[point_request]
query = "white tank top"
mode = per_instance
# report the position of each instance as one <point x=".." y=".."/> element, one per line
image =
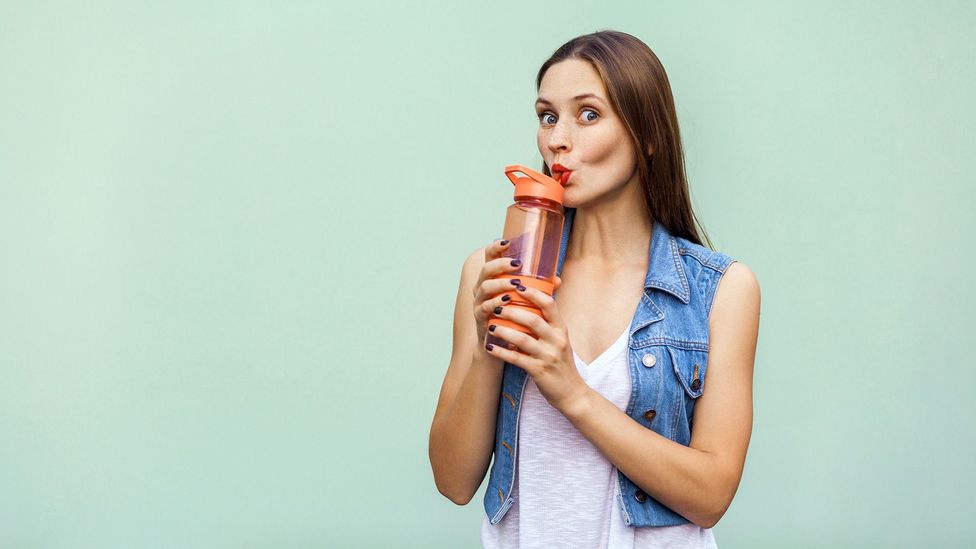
<point x="566" y="492"/>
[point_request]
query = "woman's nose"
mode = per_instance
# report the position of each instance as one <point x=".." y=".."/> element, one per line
<point x="559" y="138"/>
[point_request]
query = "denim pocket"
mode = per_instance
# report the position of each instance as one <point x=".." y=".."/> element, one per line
<point x="689" y="366"/>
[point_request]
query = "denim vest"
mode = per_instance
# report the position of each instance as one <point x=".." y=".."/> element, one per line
<point x="668" y="357"/>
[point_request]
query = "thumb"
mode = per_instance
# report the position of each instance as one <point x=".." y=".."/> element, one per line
<point x="557" y="283"/>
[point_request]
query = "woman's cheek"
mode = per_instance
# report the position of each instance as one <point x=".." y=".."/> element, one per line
<point x="597" y="146"/>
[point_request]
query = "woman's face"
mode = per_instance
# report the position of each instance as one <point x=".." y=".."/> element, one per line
<point x="583" y="134"/>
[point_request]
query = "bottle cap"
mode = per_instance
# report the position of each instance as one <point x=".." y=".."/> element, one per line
<point x="534" y="184"/>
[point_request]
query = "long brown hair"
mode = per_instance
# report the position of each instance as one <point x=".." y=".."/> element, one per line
<point x="640" y="94"/>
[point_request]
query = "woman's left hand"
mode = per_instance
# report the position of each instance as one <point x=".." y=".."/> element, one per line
<point x="548" y="359"/>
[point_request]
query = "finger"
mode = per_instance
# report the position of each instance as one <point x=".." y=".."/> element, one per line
<point x="487" y="307"/>
<point x="495" y="269"/>
<point x="544" y="302"/>
<point x="495" y="249"/>
<point x="532" y="321"/>
<point x="494" y="286"/>
<point x="502" y="265"/>
<point x="527" y="344"/>
<point x="492" y="252"/>
<point x="521" y="360"/>
<point x="557" y="283"/>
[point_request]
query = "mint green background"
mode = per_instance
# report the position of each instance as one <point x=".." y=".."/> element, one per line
<point x="231" y="234"/>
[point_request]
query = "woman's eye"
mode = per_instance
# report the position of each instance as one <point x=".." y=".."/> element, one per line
<point x="589" y="115"/>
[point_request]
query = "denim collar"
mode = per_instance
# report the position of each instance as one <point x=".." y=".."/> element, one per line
<point x="665" y="270"/>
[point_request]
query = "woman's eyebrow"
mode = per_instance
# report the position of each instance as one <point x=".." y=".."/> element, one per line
<point x="544" y="101"/>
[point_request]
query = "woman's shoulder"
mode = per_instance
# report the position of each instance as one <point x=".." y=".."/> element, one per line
<point x="728" y="278"/>
<point x="703" y="256"/>
<point x="732" y="271"/>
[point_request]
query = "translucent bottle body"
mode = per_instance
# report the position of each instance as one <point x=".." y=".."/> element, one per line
<point x="534" y="228"/>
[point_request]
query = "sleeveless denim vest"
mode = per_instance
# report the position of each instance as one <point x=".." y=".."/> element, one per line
<point x="668" y="357"/>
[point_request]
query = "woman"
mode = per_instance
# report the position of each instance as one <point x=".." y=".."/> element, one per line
<point x="602" y="429"/>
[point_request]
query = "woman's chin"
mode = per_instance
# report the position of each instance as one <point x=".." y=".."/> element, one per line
<point x="570" y="199"/>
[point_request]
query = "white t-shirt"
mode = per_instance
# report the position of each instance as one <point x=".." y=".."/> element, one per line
<point x="566" y="492"/>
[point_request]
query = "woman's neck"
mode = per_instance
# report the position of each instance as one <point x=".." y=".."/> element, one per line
<point x="610" y="233"/>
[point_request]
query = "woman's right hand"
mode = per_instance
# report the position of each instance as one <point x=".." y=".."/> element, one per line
<point x="488" y="290"/>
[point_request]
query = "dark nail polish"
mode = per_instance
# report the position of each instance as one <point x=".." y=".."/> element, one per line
<point x="516" y="263"/>
<point x="521" y="288"/>
<point x="506" y="297"/>
<point x="498" y="310"/>
<point x="489" y="346"/>
<point x="491" y="328"/>
<point x="516" y="282"/>
<point x="504" y="242"/>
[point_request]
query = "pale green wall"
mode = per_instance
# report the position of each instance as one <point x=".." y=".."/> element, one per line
<point x="231" y="236"/>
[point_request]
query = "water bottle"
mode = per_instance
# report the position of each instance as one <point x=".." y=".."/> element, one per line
<point x="534" y="228"/>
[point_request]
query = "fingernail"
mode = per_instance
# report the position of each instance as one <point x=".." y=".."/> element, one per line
<point x="516" y="263"/>
<point x="521" y="288"/>
<point x="498" y="310"/>
<point x="489" y="346"/>
<point x="506" y="297"/>
<point x="491" y="328"/>
<point x="504" y="243"/>
<point x="516" y="282"/>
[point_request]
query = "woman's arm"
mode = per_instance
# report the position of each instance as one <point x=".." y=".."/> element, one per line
<point x="462" y="433"/>
<point x="697" y="482"/>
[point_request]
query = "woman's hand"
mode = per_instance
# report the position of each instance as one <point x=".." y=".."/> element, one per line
<point x="487" y="290"/>
<point x="547" y="358"/>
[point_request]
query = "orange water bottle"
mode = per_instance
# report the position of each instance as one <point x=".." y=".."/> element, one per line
<point x="534" y="228"/>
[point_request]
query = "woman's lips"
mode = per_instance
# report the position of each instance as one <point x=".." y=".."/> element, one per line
<point x="561" y="173"/>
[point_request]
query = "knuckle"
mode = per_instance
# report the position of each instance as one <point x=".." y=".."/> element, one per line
<point x="532" y="324"/>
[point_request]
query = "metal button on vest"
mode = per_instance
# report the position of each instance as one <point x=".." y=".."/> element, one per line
<point x="649" y="415"/>
<point x="695" y="380"/>
<point x="640" y="496"/>
<point x="649" y="360"/>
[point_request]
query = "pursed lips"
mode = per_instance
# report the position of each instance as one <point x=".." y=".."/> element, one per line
<point x="561" y="173"/>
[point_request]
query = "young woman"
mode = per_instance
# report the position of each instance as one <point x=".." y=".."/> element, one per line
<point x="625" y="421"/>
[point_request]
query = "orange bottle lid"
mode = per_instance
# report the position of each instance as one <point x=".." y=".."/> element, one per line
<point x="534" y="184"/>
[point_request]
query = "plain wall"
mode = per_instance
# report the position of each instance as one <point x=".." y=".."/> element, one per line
<point x="231" y="235"/>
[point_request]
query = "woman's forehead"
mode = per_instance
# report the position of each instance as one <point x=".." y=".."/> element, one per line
<point x="569" y="79"/>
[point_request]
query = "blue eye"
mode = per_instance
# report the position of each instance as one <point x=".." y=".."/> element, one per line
<point x="548" y="118"/>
